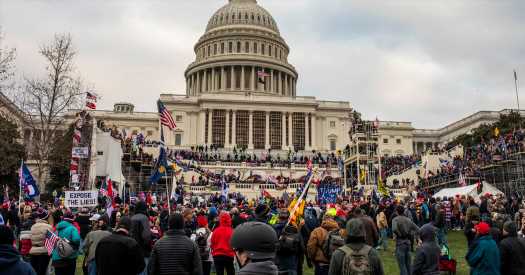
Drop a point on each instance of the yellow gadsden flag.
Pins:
(496, 132)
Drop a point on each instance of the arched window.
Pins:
(247, 47)
(270, 50)
(209, 50)
(214, 49)
(280, 54)
(255, 50)
(246, 17)
(233, 16)
(253, 17)
(259, 18)
(222, 48)
(263, 49)
(238, 46)
(230, 47)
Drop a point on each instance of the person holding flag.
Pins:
(27, 183)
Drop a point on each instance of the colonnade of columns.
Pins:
(286, 129)
(240, 78)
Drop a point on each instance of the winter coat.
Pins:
(175, 254)
(371, 234)
(84, 224)
(38, 235)
(285, 260)
(317, 238)
(426, 261)
(472, 211)
(67, 230)
(11, 262)
(119, 254)
(220, 239)
(382, 223)
(512, 250)
(483, 256)
(404, 230)
(91, 242)
(259, 268)
(338, 257)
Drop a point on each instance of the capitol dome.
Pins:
(241, 51)
(242, 12)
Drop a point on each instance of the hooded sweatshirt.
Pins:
(259, 268)
(317, 239)
(220, 239)
(427, 256)
(68, 231)
(11, 262)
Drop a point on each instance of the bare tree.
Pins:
(7, 59)
(45, 100)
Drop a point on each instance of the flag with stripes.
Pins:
(261, 75)
(165, 116)
(91, 101)
(462, 181)
(50, 242)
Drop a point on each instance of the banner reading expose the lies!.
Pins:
(81, 199)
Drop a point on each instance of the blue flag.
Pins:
(27, 182)
(160, 167)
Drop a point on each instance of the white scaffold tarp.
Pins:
(109, 157)
(469, 190)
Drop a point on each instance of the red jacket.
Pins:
(220, 239)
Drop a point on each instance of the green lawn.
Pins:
(457, 245)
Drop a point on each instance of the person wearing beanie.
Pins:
(426, 261)
(512, 250)
(10, 260)
(221, 250)
(39, 257)
(175, 253)
(203, 240)
(66, 230)
(357, 247)
(483, 255)
(91, 242)
(404, 230)
(118, 253)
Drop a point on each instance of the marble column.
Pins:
(202, 126)
(286, 91)
(290, 130)
(223, 79)
(314, 133)
(272, 90)
(250, 131)
(280, 82)
(213, 86)
(234, 128)
(227, 132)
(283, 130)
(199, 90)
(306, 133)
(243, 82)
(267, 134)
(233, 78)
(205, 82)
(210, 121)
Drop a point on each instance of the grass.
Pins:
(457, 245)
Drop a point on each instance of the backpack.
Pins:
(333, 241)
(356, 262)
(202, 243)
(289, 242)
(64, 248)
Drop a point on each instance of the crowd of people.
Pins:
(262, 236)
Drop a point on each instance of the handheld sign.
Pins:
(81, 199)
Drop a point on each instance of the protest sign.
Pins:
(81, 198)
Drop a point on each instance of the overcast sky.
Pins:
(429, 62)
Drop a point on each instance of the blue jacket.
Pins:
(68, 231)
(483, 257)
(11, 262)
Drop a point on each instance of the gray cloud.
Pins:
(430, 62)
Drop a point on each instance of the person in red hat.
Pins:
(203, 240)
(483, 255)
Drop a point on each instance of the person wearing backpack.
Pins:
(290, 245)
(356, 257)
(65, 255)
(426, 260)
(203, 240)
(318, 240)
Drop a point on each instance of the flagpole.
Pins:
(516, 86)
(20, 187)
(300, 200)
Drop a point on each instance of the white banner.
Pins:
(81, 198)
(80, 152)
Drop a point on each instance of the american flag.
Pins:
(165, 116)
(262, 74)
(50, 242)
(91, 96)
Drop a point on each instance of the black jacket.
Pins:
(119, 254)
(175, 254)
(426, 261)
(512, 251)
